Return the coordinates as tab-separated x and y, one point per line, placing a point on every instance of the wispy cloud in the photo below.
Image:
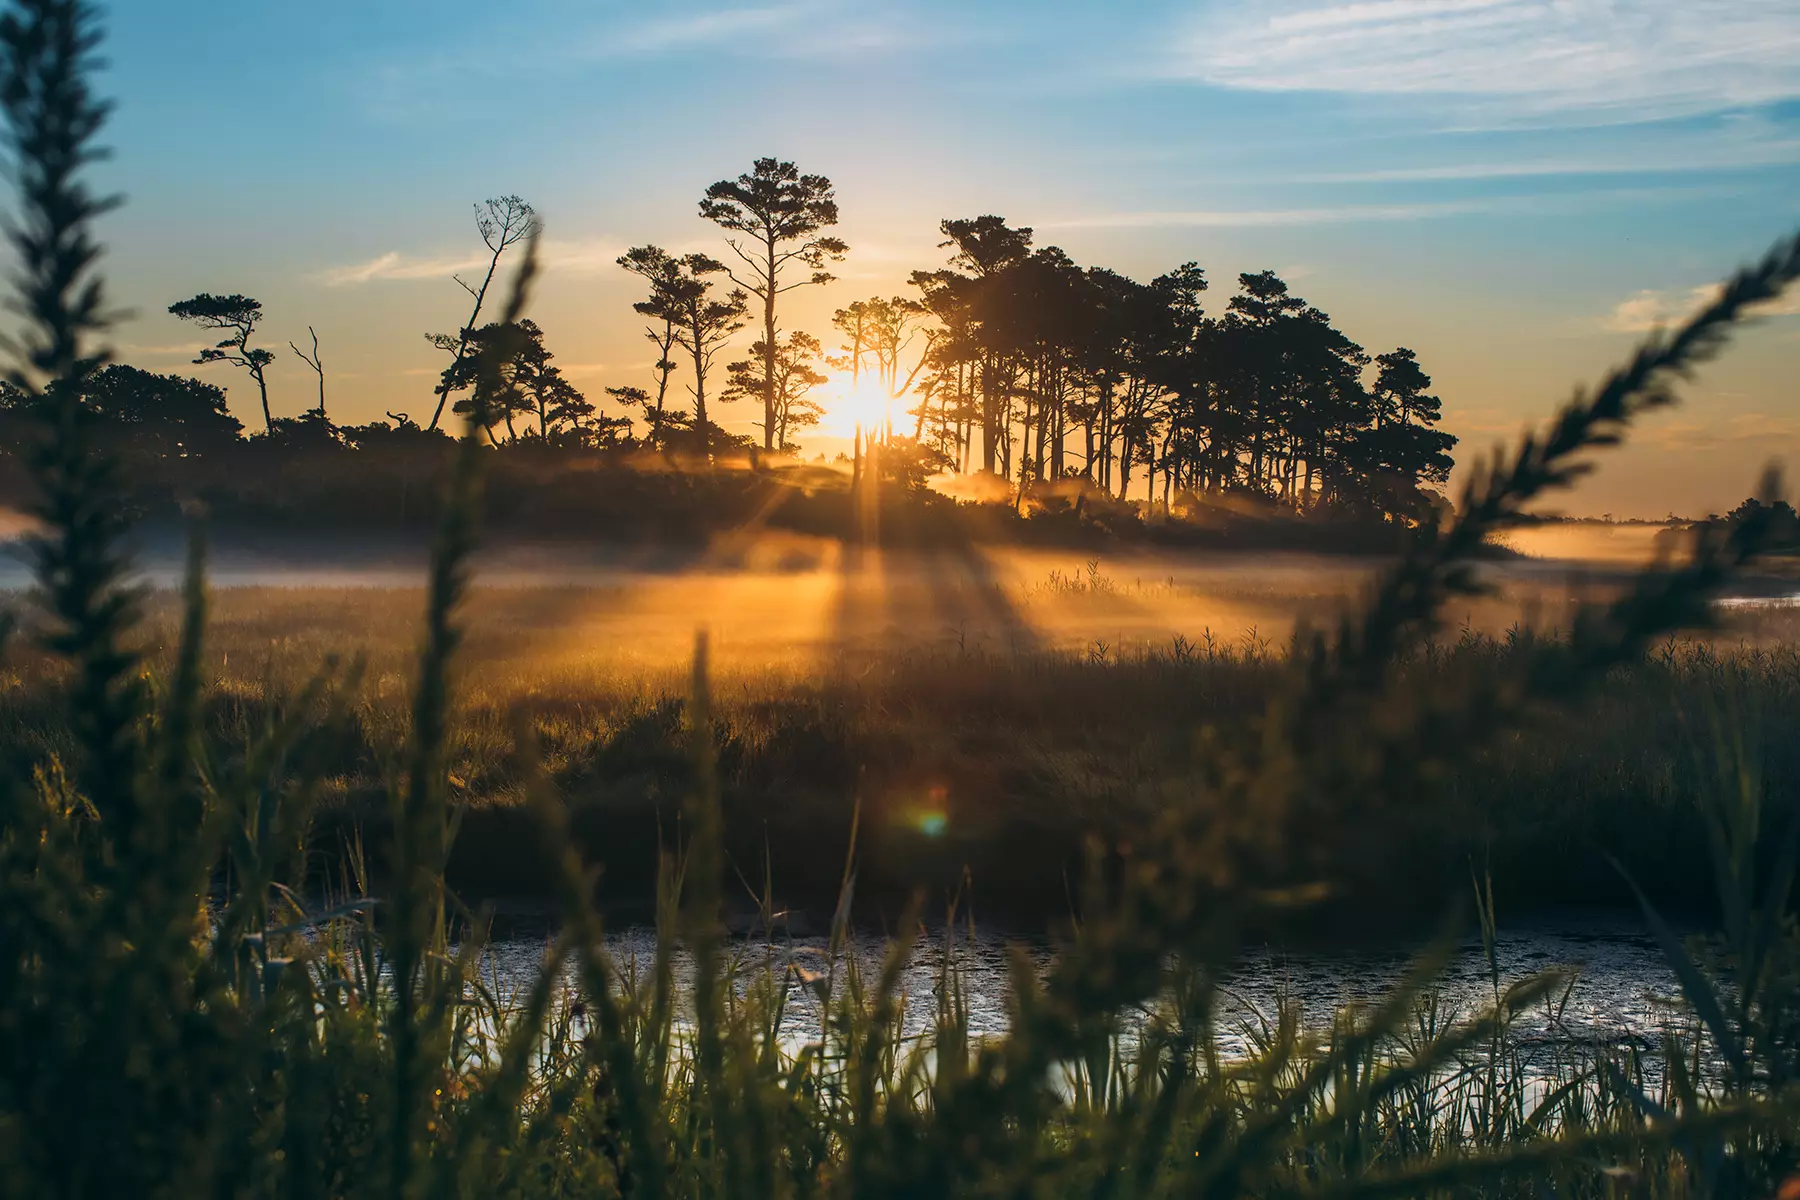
808	29
1650	309
187	350
1778	153
800	29
1544	204
703	27
586	256
582	256
1738	429
1643	58
1271	218
394	266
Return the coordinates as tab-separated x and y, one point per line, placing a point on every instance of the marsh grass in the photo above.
167	1036
1025	754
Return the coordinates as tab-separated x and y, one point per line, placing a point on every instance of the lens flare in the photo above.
930	815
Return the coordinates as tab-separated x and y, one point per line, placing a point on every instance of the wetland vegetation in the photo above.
194	1001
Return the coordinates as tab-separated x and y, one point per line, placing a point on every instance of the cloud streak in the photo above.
1279	218
188	350
588	256
1737	429
394	266
1632	59
1649	309
704	28
1273	218
1774	153
804	29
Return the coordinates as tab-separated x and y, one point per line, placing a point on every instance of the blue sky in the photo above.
1511	187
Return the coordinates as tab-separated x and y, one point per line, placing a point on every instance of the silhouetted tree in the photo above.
706	325
984	245
881	330
310	432
663	272
166	415
558	403
237	317
536	387
988	249
1071	372
502	222
795	376
878	330
1402	450
779	213
576	422
638	398
312	360
1400	390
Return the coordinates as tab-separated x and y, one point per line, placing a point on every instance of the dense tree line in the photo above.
1051	371
1011	359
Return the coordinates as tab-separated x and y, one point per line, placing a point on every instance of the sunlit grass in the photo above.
964	746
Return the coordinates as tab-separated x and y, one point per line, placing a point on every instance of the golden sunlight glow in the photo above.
848	406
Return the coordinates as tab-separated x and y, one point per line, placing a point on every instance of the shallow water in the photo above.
1621	988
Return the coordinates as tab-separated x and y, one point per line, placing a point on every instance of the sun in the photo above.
848	406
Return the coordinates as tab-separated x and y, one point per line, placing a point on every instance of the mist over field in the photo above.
790	601
789	612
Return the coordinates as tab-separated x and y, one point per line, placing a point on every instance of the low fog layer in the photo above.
796	603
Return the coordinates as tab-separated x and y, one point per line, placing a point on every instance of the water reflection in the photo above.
1622	989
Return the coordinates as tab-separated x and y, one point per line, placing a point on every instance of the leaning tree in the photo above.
502	223
236	316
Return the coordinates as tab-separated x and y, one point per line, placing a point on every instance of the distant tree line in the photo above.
1058	372
1011	360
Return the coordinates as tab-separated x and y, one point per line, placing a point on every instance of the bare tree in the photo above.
779	212
237	317
312	360
502	222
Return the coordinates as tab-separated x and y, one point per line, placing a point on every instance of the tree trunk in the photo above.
462	344
769	350
662	381
990	433
700	421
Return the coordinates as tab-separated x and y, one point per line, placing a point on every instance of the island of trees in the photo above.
1009	375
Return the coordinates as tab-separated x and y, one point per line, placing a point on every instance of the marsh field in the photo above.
992	719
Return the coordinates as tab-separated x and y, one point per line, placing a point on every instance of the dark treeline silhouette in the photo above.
1054	388
1058	372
